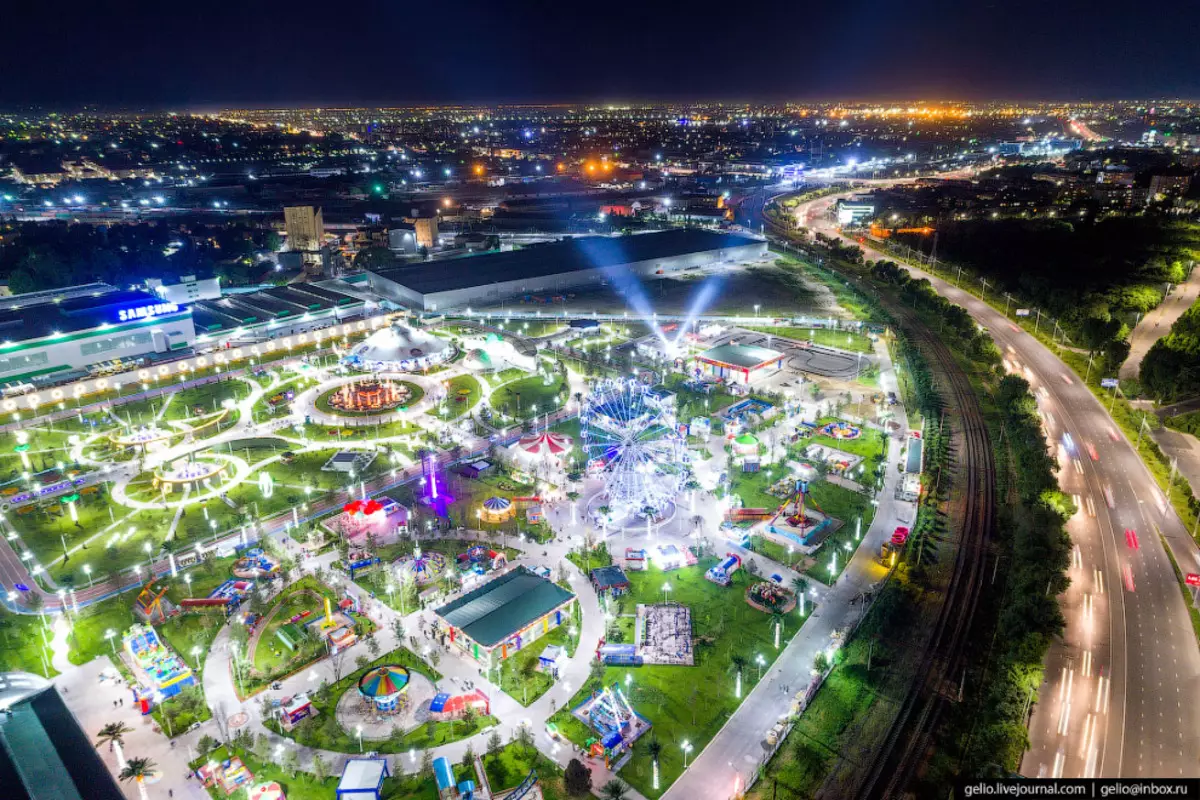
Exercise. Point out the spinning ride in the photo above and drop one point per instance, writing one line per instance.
(630, 441)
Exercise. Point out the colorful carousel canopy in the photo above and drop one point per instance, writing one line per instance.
(545, 443)
(496, 504)
(747, 439)
(383, 681)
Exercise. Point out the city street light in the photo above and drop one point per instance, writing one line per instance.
(666, 588)
(686, 747)
(762, 662)
(110, 634)
(188, 580)
(358, 730)
(87, 570)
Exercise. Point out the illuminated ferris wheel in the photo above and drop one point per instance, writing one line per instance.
(630, 441)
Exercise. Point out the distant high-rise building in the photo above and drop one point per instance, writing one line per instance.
(427, 232)
(305, 227)
(1168, 186)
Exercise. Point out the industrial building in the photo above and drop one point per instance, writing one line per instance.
(46, 337)
(64, 334)
(554, 267)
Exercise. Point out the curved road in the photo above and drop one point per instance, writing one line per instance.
(1121, 689)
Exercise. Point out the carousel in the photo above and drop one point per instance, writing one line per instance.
(497, 509)
(421, 568)
(383, 689)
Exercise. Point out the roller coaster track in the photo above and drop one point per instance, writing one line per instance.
(944, 658)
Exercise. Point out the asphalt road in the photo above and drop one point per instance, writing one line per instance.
(1121, 690)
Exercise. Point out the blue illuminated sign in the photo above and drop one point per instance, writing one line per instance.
(151, 310)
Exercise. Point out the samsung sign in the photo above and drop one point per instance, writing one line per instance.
(142, 312)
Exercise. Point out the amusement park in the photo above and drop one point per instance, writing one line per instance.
(460, 556)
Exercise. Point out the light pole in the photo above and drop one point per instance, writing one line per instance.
(87, 570)
(358, 730)
(686, 747)
(761, 662)
(110, 634)
(188, 580)
(666, 588)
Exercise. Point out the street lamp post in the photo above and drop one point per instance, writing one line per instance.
(666, 588)
(761, 662)
(110, 634)
(686, 747)
(87, 570)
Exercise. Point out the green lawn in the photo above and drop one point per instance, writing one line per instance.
(532, 327)
(519, 676)
(21, 644)
(843, 340)
(192, 631)
(464, 386)
(181, 404)
(87, 640)
(519, 399)
(508, 767)
(688, 702)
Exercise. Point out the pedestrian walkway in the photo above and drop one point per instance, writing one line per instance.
(1157, 324)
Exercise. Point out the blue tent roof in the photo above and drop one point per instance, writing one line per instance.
(439, 702)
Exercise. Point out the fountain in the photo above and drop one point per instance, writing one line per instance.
(369, 396)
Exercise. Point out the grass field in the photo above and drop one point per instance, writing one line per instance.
(843, 340)
(519, 676)
(523, 398)
(21, 644)
(463, 386)
(88, 628)
(508, 767)
(688, 702)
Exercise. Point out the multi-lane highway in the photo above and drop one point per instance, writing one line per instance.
(1121, 696)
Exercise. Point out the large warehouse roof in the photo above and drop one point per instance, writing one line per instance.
(500, 608)
(556, 258)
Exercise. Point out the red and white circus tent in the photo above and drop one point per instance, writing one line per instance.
(545, 443)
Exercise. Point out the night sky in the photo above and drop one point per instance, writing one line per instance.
(210, 53)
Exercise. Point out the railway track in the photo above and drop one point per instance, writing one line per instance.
(944, 657)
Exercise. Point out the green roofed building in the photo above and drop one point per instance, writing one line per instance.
(739, 363)
(505, 614)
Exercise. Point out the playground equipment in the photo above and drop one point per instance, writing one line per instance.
(748, 514)
(841, 430)
(480, 560)
(445, 706)
(152, 605)
(616, 724)
(722, 574)
(226, 597)
(164, 673)
(771, 598)
(423, 568)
